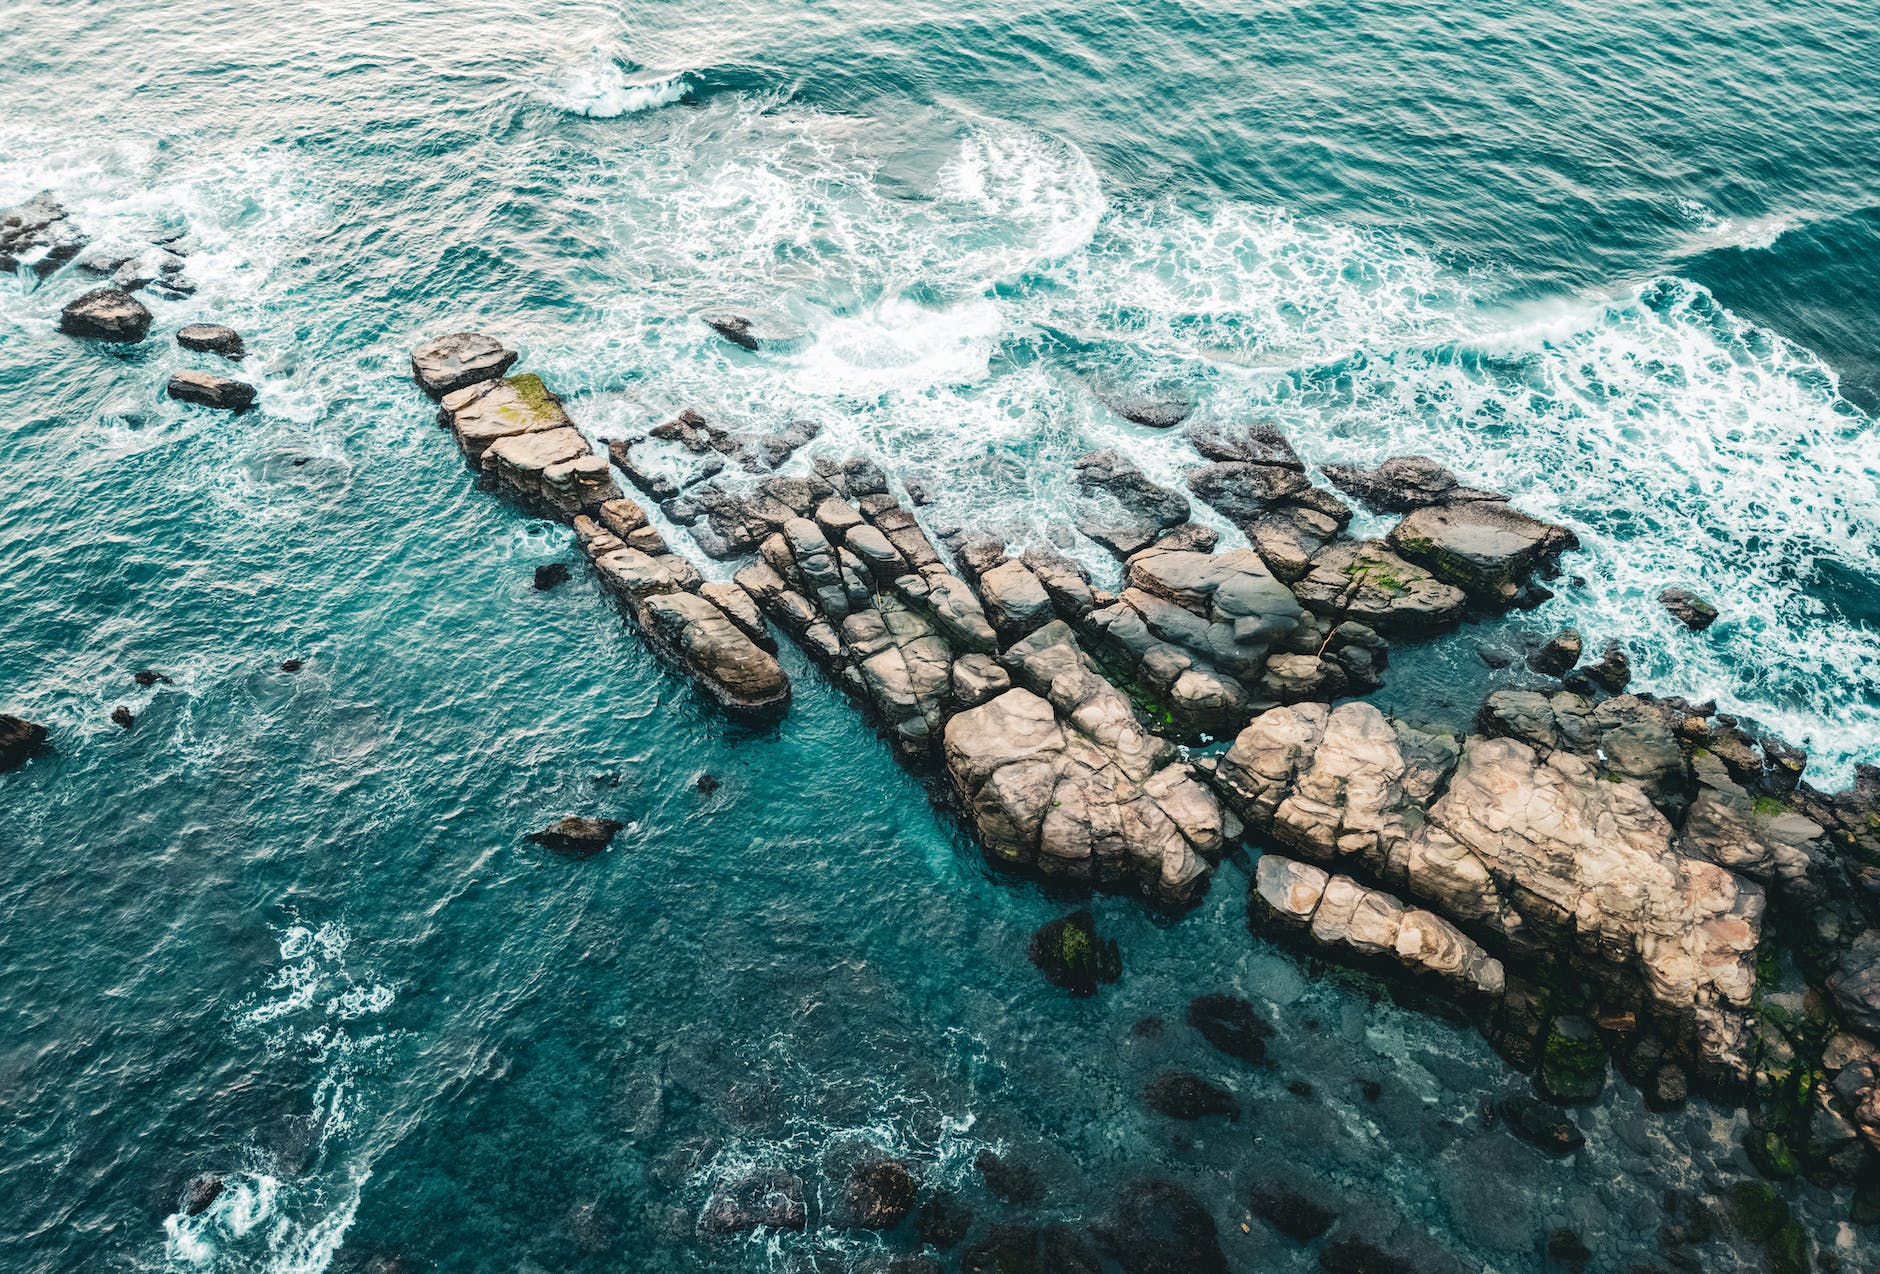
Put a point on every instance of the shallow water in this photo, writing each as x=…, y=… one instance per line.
x=1608, y=258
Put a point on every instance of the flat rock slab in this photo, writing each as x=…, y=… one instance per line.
x=212, y=338
x=211, y=390
x=458, y=360
x=1486, y=548
x=106, y=314
x=517, y=405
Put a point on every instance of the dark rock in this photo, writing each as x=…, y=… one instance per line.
x=1688, y=608
x=1573, y=1061
x=764, y=1200
x=38, y=235
x=1262, y=443
x=212, y=338
x=1540, y=1124
x=1769, y=1151
x=550, y=575
x=1568, y=1250
x=122, y=716
x=1783, y=764
x=1005, y=1249
x=1855, y=984
x=1159, y=1228
x=210, y=390
x=1371, y=1089
x=1147, y=509
x=1180, y=1095
x=1353, y=1255
x=148, y=678
x=106, y=314
x=458, y=361
x=1401, y=484
x=1495, y=656
x=1147, y=1028
x=20, y=741
x=1290, y=1212
x=943, y=1221
x=706, y=784
x=577, y=836
x=1612, y=671
x=1061, y=1250
x=1300, y=1088
x=734, y=328
x=202, y=1191
x=293, y=665
x=1008, y=1181
x=1070, y=954
x=1558, y=655
x=1758, y=1209
x=1156, y=413
x=881, y=1194
x=1230, y=1024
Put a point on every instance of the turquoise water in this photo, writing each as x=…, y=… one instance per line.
x=1612, y=258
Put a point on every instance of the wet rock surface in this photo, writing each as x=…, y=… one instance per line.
x=578, y=836
x=38, y=236
x=212, y=338
x=459, y=360
x=106, y=314
x=20, y=741
x=209, y=390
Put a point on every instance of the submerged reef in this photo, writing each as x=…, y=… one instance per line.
x=1597, y=880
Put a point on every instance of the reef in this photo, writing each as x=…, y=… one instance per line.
x=1600, y=881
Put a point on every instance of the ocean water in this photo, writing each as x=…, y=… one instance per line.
x=1614, y=259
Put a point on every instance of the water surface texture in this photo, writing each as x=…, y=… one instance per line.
x=1615, y=259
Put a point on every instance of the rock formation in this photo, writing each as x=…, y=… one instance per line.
x=212, y=338
x=38, y=236
x=20, y=741
x=106, y=314
x=211, y=390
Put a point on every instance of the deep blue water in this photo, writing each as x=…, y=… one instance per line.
x=1615, y=259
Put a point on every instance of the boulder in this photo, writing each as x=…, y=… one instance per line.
x=212, y=338
x=1155, y=413
x=740, y=675
x=1260, y=443
x=577, y=836
x=1287, y=1210
x=552, y=471
x=1015, y=600
x=1558, y=654
x=1131, y=511
x=210, y=390
x=20, y=741
x=502, y=409
x=760, y=1201
x=1540, y=1124
x=735, y=328
x=1688, y=608
x=1180, y=1095
x=1365, y=581
x=201, y=1192
x=1009, y=1182
x=459, y=360
x=1855, y=984
x=1071, y=955
x=1402, y=484
x=1612, y=671
x=1484, y=547
x=550, y=575
x=881, y=1194
x=106, y=314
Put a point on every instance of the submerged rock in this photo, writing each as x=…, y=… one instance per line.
x=761, y=1201
x=1288, y=1211
x=943, y=1221
x=1157, y=1227
x=577, y=836
x=201, y=1193
x=1156, y=413
x=1573, y=1062
x=212, y=338
x=20, y=741
x=1181, y=1095
x=881, y=1194
x=734, y=328
x=1540, y=1124
x=1230, y=1025
x=210, y=390
x=1009, y=1182
x=459, y=360
x=106, y=314
x=1071, y=955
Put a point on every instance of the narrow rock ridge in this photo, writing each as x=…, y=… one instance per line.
x=517, y=435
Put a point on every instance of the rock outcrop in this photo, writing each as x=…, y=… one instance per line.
x=106, y=314
x=1546, y=852
x=518, y=435
x=1488, y=549
x=210, y=390
x=1127, y=512
x=1402, y=484
x=20, y=741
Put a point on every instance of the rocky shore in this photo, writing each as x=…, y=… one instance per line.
x=1599, y=880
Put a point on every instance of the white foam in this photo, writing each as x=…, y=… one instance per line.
x=602, y=88
x=1712, y=232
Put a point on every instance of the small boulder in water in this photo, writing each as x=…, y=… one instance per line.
x=550, y=575
x=1540, y=1124
x=122, y=716
x=1558, y=655
x=1230, y=1024
x=148, y=678
x=38, y=236
x=1612, y=671
x=106, y=314
x=881, y=1194
x=1290, y=1212
x=201, y=1192
x=210, y=390
x=293, y=665
x=212, y=338
x=1688, y=608
x=1071, y=955
x=577, y=836
x=734, y=328
x=1156, y=413
x=1180, y=1095
x=20, y=741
